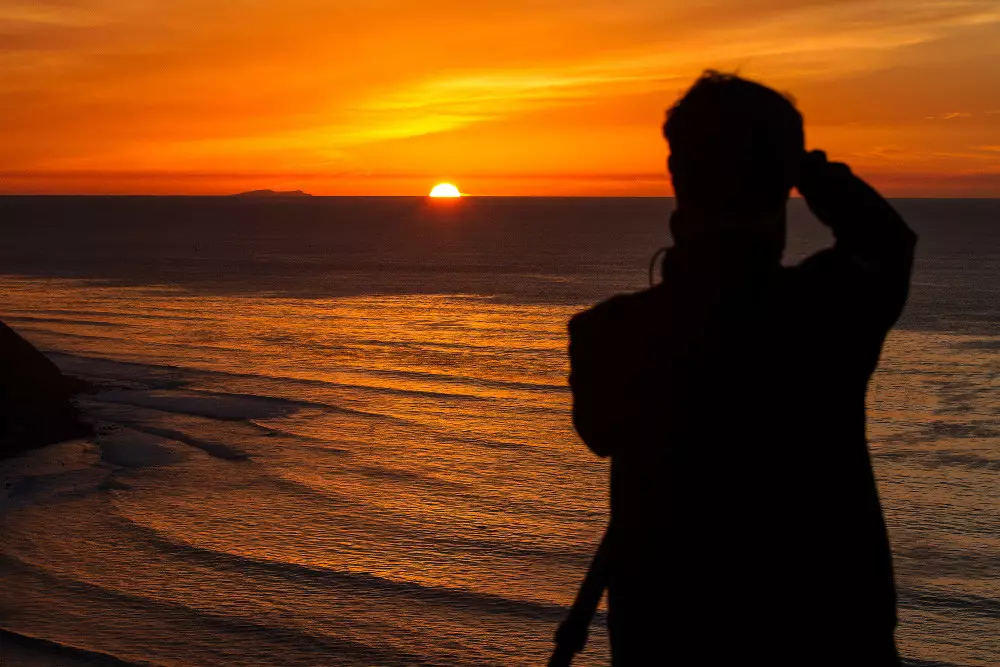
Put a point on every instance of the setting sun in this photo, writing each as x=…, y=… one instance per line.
x=445, y=190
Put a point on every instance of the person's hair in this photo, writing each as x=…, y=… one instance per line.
x=735, y=145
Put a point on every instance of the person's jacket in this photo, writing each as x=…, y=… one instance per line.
x=746, y=521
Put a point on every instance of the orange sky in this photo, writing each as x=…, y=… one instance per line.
x=547, y=97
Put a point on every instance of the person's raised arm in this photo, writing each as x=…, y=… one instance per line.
x=873, y=240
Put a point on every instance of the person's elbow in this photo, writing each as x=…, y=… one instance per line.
x=596, y=433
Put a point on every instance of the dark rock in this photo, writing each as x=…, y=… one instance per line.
x=35, y=406
x=77, y=385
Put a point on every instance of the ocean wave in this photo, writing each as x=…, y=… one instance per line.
x=945, y=458
x=63, y=652
x=132, y=315
x=213, y=405
x=949, y=560
x=421, y=345
x=212, y=448
x=465, y=380
x=68, y=334
x=972, y=605
x=472, y=545
x=448, y=379
x=131, y=449
x=270, y=429
x=255, y=409
x=206, y=630
x=61, y=471
x=992, y=343
x=60, y=320
x=451, y=436
x=178, y=375
x=352, y=582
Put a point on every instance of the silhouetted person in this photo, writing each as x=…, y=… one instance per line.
x=746, y=526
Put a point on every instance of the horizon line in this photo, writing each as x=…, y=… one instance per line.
x=308, y=196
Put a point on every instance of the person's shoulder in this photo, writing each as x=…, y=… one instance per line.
x=625, y=307
x=599, y=317
x=620, y=312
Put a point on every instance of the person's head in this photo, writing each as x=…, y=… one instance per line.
x=735, y=148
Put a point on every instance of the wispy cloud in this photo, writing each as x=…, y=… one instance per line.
x=827, y=39
x=951, y=115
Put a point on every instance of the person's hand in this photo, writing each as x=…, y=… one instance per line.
x=813, y=163
x=818, y=175
x=836, y=196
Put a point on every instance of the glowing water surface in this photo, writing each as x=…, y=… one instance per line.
x=286, y=479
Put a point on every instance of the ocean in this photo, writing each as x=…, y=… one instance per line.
x=336, y=431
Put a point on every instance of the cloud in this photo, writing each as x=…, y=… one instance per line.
x=951, y=115
x=310, y=84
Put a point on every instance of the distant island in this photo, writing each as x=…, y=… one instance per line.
x=273, y=193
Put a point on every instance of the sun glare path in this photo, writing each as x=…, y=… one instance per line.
x=445, y=190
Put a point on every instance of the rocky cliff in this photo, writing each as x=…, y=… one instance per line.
x=35, y=406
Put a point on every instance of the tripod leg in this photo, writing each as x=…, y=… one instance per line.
x=571, y=636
